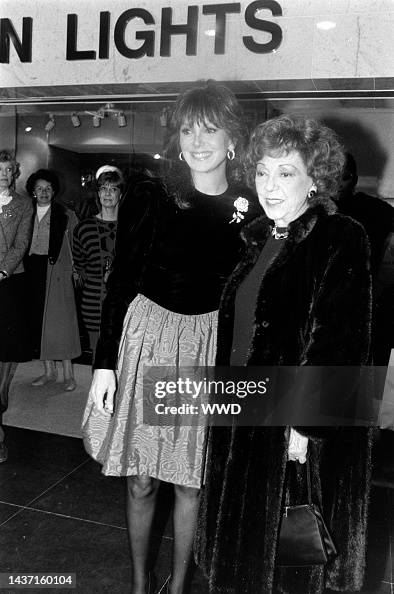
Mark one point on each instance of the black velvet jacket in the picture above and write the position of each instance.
(178, 258)
(313, 308)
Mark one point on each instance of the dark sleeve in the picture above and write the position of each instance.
(340, 315)
(340, 323)
(136, 224)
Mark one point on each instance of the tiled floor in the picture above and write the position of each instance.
(59, 514)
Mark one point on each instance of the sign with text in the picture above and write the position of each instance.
(59, 42)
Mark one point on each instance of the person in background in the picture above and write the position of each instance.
(53, 315)
(301, 296)
(176, 244)
(16, 213)
(93, 248)
(377, 218)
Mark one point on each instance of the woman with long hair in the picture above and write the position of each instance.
(177, 242)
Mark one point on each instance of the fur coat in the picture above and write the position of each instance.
(313, 308)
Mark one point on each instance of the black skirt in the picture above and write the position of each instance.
(14, 319)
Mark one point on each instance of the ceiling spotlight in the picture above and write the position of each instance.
(76, 122)
(28, 129)
(326, 25)
(121, 120)
(96, 121)
(50, 123)
(157, 156)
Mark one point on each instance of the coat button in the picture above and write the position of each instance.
(265, 324)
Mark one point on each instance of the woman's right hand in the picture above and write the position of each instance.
(102, 390)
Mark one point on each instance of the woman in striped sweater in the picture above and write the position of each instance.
(93, 248)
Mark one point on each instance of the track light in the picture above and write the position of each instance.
(50, 123)
(121, 120)
(76, 122)
(96, 121)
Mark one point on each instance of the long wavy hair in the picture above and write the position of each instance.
(209, 102)
(319, 147)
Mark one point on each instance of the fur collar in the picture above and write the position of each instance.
(257, 232)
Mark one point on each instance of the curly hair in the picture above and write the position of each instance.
(46, 174)
(318, 146)
(209, 102)
(8, 157)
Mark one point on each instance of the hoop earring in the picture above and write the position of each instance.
(180, 156)
(230, 154)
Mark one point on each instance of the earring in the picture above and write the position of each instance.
(230, 154)
(312, 192)
(180, 156)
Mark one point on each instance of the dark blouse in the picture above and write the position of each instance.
(178, 258)
(246, 302)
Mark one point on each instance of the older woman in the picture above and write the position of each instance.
(300, 296)
(54, 324)
(93, 248)
(15, 231)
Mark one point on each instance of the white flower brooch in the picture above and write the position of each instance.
(241, 205)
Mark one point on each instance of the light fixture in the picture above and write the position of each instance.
(96, 121)
(28, 129)
(157, 156)
(121, 120)
(50, 123)
(76, 122)
(326, 25)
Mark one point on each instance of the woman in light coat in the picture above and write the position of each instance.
(54, 322)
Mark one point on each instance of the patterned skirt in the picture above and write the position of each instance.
(152, 336)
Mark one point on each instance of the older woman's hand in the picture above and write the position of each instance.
(103, 389)
(298, 446)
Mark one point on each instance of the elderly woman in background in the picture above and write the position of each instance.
(54, 324)
(93, 248)
(300, 296)
(15, 231)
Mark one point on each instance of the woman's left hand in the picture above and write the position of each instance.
(298, 446)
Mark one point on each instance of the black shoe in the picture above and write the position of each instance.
(3, 452)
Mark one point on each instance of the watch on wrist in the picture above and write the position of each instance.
(4, 273)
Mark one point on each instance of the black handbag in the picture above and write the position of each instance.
(304, 537)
